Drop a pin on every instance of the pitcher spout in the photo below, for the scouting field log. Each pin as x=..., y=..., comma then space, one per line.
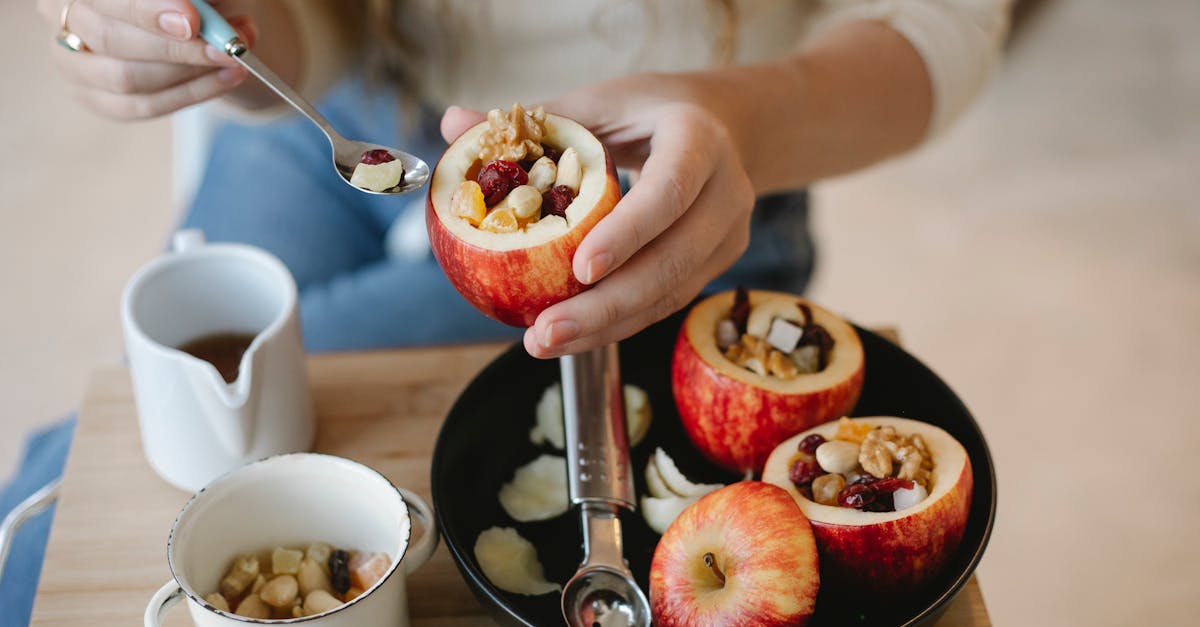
x=229, y=407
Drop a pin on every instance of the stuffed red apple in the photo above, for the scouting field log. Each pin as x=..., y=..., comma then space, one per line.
x=508, y=205
x=742, y=555
x=751, y=369
x=887, y=498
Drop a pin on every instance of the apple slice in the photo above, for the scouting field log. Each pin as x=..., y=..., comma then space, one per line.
x=510, y=562
x=675, y=481
x=548, y=425
x=743, y=555
x=735, y=416
x=660, y=512
x=538, y=490
x=512, y=277
x=654, y=481
x=887, y=553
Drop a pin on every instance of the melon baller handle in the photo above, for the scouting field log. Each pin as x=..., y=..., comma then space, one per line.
x=603, y=591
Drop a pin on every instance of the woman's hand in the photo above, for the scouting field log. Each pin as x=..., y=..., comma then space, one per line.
x=685, y=220
x=144, y=58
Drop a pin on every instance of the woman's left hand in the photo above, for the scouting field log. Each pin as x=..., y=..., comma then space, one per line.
x=685, y=220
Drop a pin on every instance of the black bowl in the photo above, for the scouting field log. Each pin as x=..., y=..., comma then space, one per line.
x=486, y=437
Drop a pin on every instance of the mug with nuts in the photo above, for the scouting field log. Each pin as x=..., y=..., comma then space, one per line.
x=301, y=537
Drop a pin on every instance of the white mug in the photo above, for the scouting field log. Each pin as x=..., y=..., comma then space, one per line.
x=290, y=501
x=194, y=425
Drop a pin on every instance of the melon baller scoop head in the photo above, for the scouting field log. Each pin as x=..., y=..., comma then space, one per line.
x=346, y=152
x=603, y=592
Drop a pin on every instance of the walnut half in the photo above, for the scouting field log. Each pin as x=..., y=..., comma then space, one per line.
x=513, y=136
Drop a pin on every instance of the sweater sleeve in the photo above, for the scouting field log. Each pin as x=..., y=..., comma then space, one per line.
x=959, y=41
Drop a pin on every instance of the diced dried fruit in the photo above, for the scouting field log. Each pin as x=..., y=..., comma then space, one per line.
x=903, y=498
x=373, y=157
x=467, y=203
x=891, y=484
x=556, y=201
x=784, y=335
x=319, y=553
x=803, y=470
x=826, y=488
x=498, y=178
x=285, y=561
x=740, y=314
x=500, y=221
x=239, y=577
x=809, y=444
x=339, y=570
x=367, y=568
x=856, y=495
x=378, y=177
x=353, y=593
x=852, y=431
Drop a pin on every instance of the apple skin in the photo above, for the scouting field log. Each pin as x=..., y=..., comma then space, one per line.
x=733, y=419
x=888, y=554
x=514, y=286
x=764, y=546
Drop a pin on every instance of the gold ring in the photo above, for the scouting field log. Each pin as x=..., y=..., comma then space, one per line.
x=66, y=38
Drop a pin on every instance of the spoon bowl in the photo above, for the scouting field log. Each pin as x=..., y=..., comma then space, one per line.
x=603, y=597
x=348, y=152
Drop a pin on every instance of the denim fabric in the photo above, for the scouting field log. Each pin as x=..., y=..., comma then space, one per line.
x=45, y=454
x=272, y=186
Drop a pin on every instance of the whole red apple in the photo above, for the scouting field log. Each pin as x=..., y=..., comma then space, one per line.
x=887, y=553
x=743, y=555
x=736, y=416
x=512, y=277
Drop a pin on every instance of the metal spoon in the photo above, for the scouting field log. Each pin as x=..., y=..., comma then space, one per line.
x=602, y=593
x=346, y=152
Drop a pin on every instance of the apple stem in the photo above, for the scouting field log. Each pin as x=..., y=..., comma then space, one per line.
x=711, y=561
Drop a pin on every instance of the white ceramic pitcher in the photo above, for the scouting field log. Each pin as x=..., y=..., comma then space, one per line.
x=194, y=425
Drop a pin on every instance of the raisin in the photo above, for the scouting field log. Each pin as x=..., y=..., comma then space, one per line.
x=339, y=570
x=377, y=156
x=741, y=309
x=809, y=445
x=803, y=471
x=498, y=178
x=881, y=503
x=556, y=200
x=856, y=495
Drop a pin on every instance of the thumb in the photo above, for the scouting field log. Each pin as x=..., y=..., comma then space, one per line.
x=456, y=121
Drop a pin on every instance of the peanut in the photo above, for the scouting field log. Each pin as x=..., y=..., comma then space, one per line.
x=253, y=607
x=837, y=456
x=280, y=592
x=570, y=171
x=542, y=174
x=319, y=601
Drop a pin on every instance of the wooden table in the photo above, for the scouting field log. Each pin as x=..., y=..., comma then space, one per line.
x=107, y=551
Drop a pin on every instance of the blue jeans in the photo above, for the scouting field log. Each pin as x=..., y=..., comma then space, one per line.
x=273, y=186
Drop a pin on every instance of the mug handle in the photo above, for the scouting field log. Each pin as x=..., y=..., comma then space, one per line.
x=162, y=601
x=185, y=240
x=420, y=552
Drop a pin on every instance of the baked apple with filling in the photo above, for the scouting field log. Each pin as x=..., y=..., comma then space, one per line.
x=887, y=499
x=752, y=368
x=508, y=205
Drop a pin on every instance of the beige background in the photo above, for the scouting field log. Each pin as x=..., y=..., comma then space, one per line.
x=1044, y=258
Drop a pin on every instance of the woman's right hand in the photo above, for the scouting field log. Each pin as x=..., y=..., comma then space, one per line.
x=145, y=58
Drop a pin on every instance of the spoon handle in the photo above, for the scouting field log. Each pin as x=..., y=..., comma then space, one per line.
x=594, y=420
x=216, y=31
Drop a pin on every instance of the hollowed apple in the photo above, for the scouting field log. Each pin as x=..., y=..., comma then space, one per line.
x=512, y=277
x=887, y=553
x=736, y=416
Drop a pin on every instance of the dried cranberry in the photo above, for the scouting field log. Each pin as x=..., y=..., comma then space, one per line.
x=377, y=156
x=865, y=480
x=882, y=503
x=891, y=484
x=556, y=200
x=803, y=471
x=856, y=495
x=809, y=445
x=740, y=313
x=498, y=178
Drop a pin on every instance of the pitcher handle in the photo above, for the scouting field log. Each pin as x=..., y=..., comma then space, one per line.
x=420, y=552
x=162, y=601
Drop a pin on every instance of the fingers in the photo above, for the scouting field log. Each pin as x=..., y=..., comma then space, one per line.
x=169, y=40
x=137, y=106
x=658, y=280
x=684, y=154
x=456, y=121
x=122, y=77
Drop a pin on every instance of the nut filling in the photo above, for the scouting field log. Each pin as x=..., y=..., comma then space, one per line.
x=517, y=179
x=774, y=339
x=874, y=469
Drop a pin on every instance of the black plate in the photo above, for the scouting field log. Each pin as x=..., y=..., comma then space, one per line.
x=486, y=437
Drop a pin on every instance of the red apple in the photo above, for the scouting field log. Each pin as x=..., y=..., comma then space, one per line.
x=743, y=555
x=887, y=553
x=736, y=416
x=512, y=277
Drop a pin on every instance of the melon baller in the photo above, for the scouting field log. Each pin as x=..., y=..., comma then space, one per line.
x=602, y=593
